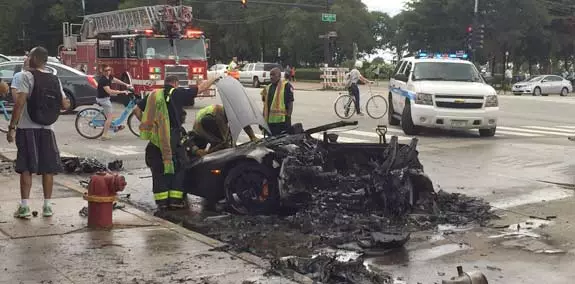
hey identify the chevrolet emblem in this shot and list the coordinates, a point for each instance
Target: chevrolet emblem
(459, 101)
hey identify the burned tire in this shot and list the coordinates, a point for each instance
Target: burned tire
(392, 120)
(252, 188)
(407, 122)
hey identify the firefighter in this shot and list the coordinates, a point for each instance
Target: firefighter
(162, 120)
(232, 69)
(278, 103)
(212, 125)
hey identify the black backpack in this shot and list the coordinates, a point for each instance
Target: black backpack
(45, 101)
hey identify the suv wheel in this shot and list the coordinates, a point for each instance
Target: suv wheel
(406, 122)
(490, 132)
(391, 119)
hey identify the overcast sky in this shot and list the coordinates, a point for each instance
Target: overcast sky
(391, 7)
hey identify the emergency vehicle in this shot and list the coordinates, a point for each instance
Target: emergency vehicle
(142, 45)
(441, 91)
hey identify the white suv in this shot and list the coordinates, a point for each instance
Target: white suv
(441, 91)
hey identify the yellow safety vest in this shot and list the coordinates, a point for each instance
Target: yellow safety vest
(206, 111)
(277, 113)
(230, 68)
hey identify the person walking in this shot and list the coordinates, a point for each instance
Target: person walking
(38, 99)
(278, 101)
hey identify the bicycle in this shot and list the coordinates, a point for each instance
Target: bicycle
(5, 119)
(373, 104)
(96, 119)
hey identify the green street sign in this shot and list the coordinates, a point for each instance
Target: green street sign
(330, 18)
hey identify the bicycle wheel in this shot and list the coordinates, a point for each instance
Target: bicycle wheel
(344, 106)
(376, 107)
(93, 119)
(134, 124)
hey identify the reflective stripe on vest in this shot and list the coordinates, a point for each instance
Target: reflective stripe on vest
(170, 94)
(277, 113)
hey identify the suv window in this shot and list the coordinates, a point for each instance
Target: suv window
(398, 67)
(270, 66)
(446, 71)
(259, 67)
(247, 67)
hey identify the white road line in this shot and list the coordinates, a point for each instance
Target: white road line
(550, 128)
(341, 138)
(537, 196)
(533, 131)
(517, 134)
(119, 150)
(568, 127)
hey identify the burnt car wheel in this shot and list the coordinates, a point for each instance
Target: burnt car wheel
(251, 188)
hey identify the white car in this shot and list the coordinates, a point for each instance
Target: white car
(441, 91)
(217, 70)
(543, 85)
(258, 74)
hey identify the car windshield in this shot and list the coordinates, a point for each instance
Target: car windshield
(445, 71)
(160, 48)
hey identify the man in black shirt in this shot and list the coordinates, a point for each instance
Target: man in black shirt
(103, 97)
(176, 98)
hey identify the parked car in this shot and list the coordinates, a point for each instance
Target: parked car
(21, 58)
(257, 74)
(217, 70)
(80, 88)
(543, 85)
(4, 58)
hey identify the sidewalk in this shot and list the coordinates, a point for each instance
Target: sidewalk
(140, 249)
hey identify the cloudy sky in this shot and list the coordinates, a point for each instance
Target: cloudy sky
(391, 7)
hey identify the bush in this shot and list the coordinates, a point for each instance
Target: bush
(311, 74)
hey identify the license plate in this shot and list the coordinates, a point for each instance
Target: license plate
(458, 123)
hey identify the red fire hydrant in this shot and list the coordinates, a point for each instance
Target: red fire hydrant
(101, 196)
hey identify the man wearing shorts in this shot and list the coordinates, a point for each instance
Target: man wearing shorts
(103, 98)
(36, 144)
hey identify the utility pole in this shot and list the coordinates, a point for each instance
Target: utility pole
(474, 27)
(326, 40)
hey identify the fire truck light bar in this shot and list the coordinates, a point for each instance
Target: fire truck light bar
(155, 70)
(191, 33)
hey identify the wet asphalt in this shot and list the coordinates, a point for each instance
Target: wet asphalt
(525, 165)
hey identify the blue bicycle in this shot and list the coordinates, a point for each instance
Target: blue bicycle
(94, 118)
(5, 119)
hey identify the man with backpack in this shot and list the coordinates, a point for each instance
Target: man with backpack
(38, 99)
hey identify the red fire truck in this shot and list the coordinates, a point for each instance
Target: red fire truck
(142, 45)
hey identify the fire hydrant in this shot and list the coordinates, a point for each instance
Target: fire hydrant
(101, 196)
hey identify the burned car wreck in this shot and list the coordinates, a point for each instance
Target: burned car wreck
(282, 171)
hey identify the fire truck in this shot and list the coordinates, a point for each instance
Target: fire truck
(142, 45)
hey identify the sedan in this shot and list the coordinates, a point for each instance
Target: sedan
(543, 85)
(218, 70)
(80, 88)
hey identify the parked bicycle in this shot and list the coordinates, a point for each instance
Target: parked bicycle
(95, 118)
(376, 106)
(5, 119)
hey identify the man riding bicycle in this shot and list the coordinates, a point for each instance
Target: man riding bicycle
(354, 76)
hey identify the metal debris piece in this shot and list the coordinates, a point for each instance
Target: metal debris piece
(88, 165)
(473, 277)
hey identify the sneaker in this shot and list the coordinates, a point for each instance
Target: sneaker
(47, 211)
(360, 114)
(23, 211)
(105, 138)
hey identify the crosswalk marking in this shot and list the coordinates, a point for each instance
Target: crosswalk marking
(517, 133)
(534, 131)
(568, 127)
(551, 128)
(375, 135)
(120, 150)
(341, 138)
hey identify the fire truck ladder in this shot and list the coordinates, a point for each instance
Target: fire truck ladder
(160, 18)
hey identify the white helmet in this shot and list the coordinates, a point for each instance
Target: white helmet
(358, 64)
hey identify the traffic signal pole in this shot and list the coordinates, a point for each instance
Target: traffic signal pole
(475, 24)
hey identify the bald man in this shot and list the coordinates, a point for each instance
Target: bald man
(278, 103)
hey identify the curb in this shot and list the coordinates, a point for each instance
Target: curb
(66, 182)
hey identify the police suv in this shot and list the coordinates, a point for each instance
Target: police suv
(441, 91)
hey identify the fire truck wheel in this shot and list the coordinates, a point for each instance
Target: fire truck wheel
(72, 103)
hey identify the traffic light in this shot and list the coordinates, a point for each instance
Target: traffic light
(469, 38)
(479, 36)
(244, 3)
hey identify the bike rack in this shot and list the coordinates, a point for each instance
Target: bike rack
(381, 130)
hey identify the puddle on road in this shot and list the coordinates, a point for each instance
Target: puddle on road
(404, 256)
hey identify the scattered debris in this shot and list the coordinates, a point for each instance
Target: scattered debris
(473, 277)
(35, 213)
(327, 269)
(89, 165)
(493, 268)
